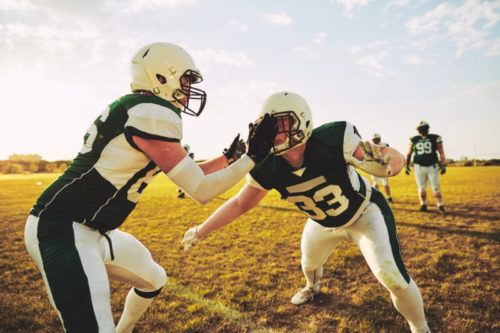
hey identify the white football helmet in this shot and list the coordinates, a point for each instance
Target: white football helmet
(168, 71)
(376, 136)
(291, 106)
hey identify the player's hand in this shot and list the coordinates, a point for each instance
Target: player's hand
(190, 239)
(261, 136)
(235, 150)
(373, 163)
(407, 170)
(442, 168)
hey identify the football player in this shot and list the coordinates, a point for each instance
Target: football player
(425, 147)
(315, 170)
(377, 180)
(71, 232)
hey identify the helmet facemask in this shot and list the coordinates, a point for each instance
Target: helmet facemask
(423, 130)
(288, 124)
(189, 93)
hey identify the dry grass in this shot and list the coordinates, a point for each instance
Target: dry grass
(241, 278)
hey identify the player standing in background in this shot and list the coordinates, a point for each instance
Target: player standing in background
(315, 170)
(71, 232)
(426, 165)
(376, 180)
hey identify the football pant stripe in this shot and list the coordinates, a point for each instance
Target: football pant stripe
(378, 199)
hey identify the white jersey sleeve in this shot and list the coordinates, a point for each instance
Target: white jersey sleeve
(155, 121)
(351, 141)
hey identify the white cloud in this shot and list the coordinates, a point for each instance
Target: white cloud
(483, 90)
(397, 3)
(238, 24)
(430, 21)
(20, 5)
(135, 6)
(427, 42)
(235, 59)
(350, 4)
(458, 24)
(320, 38)
(375, 44)
(372, 64)
(280, 19)
(493, 48)
(21, 31)
(417, 60)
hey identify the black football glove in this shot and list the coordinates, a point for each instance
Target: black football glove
(261, 137)
(236, 150)
(442, 167)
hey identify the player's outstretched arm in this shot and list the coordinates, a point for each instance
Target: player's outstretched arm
(172, 159)
(380, 161)
(236, 150)
(248, 197)
(397, 161)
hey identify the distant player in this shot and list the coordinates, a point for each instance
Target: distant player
(376, 180)
(315, 170)
(425, 147)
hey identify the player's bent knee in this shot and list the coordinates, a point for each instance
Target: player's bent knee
(392, 280)
(157, 277)
(161, 278)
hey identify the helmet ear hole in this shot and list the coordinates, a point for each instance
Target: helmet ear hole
(161, 79)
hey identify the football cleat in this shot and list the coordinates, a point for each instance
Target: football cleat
(441, 209)
(390, 200)
(423, 208)
(306, 294)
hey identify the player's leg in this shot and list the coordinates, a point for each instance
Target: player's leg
(69, 256)
(317, 243)
(421, 179)
(435, 187)
(133, 264)
(375, 234)
(387, 189)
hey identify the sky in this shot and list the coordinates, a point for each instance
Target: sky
(382, 65)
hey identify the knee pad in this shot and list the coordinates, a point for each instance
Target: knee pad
(147, 294)
(392, 280)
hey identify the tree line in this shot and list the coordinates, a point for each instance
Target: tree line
(32, 163)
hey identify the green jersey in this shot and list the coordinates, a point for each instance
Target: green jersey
(326, 188)
(425, 149)
(104, 182)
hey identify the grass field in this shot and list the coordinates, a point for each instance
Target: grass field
(241, 278)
